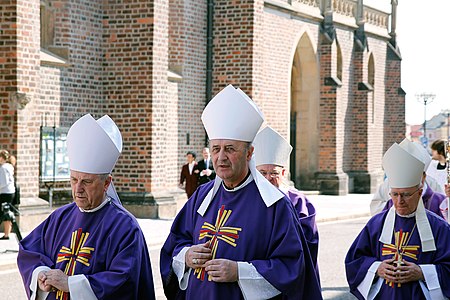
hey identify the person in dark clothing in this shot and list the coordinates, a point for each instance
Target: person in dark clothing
(189, 174)
(205, 168)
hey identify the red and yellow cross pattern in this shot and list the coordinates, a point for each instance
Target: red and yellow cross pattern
(399, 250)
(76, 253)
(218, 232)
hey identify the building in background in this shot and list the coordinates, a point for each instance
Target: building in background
(438, 127)
(326, 74)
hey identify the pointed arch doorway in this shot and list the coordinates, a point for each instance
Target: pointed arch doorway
(304, 122)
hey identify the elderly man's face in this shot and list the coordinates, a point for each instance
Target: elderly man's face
(273, 173)
(406, 199)
(230, 159)
(205, 153)
(88, 190)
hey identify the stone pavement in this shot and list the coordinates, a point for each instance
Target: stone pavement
(329, 208)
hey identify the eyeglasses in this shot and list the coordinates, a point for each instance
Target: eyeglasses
(403, 195)
(270, 174)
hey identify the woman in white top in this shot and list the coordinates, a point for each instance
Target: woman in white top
(7, 189)
(438, 166)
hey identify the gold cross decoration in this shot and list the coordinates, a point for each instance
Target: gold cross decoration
(400, 249)
(76, 253)
(218, 232)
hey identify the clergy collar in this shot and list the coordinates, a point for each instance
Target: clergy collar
(413, 214)
(269, 193)
(244, 182)
(423, 227)
(105, 201)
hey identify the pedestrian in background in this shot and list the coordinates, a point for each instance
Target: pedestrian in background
(438, 166)
(7, 187)
(189, 174)
(205, 167)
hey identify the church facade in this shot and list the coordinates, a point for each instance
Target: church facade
(326, 75)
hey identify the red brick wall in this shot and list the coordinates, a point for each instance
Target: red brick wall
(8, 75)
(136, 53)
(329, 104)
(348, 132)
(118, 57)
(394, 125)
(79, 28)
(28, 61)
(234, 29)
(376, 136)
(187, 57)
(358, 114)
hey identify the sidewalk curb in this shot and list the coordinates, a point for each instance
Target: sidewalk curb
(8, 261)
(343, 218)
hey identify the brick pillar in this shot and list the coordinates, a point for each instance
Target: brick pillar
(234, 44)
(23, 96)
(8, 75)
(394, 105)
(136, 60)
(187, 58)
(331, 180)
(358, 107)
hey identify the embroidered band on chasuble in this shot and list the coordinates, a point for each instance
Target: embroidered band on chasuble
(76, 253)
(217, 232)
(400, 249)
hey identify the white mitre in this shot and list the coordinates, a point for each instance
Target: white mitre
(271, 148)
(94, 146)
(403, 170)
(418, 151)
(232, 115)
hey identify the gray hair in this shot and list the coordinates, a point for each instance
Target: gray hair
(103, 176)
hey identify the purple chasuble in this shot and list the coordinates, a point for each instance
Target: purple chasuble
(107, 246)
(241, 228)
(431, 201)
(307, 215)
(367, 249)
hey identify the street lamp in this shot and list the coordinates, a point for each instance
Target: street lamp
(425, 98)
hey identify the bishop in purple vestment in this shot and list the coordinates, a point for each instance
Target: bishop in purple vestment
(367, 252)
(240, 227)
(237, 237)
(402, 253)
(272, 153)
(92, 248)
